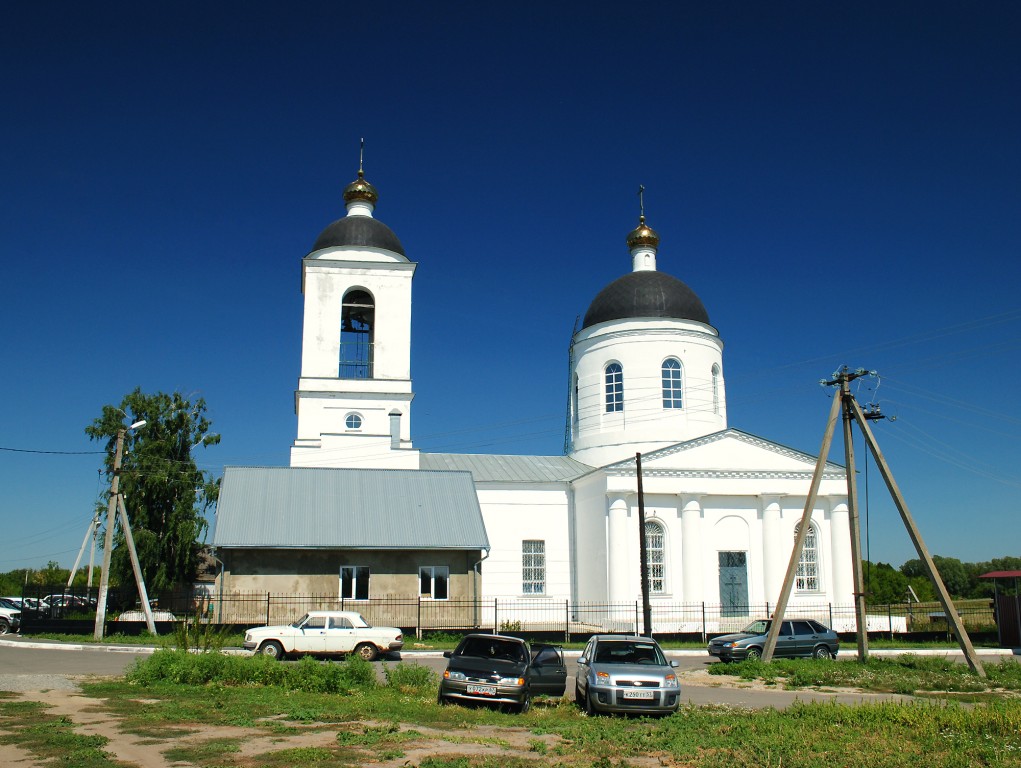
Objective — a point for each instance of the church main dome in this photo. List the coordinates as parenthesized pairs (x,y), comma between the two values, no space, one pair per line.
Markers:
(645,294)
(359,230)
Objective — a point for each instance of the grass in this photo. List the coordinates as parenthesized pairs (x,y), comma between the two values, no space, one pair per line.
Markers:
(905,674)
(363,721)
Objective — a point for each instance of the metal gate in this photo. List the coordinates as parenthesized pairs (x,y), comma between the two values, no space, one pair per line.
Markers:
(733,584)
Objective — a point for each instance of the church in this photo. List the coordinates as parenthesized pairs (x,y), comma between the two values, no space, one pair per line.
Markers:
(361,514)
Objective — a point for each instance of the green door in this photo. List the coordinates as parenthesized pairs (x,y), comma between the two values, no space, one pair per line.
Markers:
(733,584)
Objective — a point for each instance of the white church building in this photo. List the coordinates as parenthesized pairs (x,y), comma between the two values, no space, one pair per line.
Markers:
(362,514)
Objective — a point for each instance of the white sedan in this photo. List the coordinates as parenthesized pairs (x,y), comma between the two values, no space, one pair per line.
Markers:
(325,633)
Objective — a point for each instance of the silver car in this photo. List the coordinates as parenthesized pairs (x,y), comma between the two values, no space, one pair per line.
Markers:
(626,674)
(798,637)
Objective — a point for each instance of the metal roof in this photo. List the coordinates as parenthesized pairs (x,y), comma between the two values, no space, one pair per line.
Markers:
(318,508)
(508,468)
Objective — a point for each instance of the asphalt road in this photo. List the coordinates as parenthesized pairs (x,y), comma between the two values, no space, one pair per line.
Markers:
(23,668)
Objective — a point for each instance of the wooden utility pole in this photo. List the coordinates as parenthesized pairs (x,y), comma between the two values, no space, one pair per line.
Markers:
(860,611)
(643,552)
(853,411)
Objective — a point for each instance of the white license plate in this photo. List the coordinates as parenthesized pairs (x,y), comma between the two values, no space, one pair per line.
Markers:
(638,694)
(482,690)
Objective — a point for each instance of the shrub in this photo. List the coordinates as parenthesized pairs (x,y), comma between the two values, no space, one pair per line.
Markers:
(409,677)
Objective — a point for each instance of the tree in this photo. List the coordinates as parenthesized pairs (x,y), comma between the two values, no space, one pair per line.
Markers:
(884,584)
(166,495)
(951,570)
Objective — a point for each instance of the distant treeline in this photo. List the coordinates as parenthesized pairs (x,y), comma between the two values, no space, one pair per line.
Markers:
(886,584)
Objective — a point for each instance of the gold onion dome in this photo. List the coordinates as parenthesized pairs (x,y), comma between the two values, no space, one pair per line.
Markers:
(642,235)
(360,189)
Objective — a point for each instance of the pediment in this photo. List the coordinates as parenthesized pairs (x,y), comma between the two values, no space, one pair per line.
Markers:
(728,452)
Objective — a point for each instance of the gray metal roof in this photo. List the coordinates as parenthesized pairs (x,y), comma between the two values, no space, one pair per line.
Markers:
(508,468)
(317,508)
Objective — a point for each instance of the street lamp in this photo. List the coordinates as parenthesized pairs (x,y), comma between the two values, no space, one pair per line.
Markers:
(104,578)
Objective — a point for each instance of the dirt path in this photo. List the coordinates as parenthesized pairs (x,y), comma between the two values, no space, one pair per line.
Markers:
(90,718)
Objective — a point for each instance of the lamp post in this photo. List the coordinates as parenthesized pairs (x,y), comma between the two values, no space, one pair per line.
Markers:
(104,578)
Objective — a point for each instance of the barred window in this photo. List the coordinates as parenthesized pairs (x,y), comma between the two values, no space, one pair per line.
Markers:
(671,383)
(655,557)
(614,388)
(533,567)
(807,579)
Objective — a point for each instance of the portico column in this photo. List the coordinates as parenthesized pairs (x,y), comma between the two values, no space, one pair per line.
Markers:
(617,560)
(774,562)
(691,549)
(841,567)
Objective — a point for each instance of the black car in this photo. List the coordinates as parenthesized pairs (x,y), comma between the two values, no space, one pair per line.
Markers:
(798,637)
(497,669)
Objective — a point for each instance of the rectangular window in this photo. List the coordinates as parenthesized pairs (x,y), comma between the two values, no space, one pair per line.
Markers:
(433,581)
(533,567)
(354,582)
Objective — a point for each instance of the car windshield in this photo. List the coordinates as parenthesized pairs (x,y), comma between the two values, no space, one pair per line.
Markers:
(492,648)
(300,621)
(759,627)
(359,621)
(629,652)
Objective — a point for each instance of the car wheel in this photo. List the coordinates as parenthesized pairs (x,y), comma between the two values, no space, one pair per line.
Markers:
(441,699)
(590,707)
(526,703)
(754,653)
(822,652)
(366,651)
(273,649)
(577,695)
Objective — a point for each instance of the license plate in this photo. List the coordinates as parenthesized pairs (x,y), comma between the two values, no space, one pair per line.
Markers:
(482,690)
(638,694)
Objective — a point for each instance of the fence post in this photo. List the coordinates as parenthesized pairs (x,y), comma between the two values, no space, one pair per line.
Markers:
(889,618)
(496,623)
(831,615)
(704,632)
(267,608)
(767,610)
(418,620)
(567,621)
(636,617)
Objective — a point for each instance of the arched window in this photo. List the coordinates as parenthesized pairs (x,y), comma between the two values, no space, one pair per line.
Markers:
(357,324)
(671,383)
(807,579)
(716,389)
(656,556)
(614,388)
(353,421)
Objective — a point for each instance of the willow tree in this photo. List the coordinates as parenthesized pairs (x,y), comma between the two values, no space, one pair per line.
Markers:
(165,493)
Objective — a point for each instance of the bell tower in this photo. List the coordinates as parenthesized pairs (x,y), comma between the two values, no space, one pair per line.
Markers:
(354,394)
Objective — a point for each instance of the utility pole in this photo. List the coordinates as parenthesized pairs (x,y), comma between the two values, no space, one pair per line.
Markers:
(643,552)
(852,410)
(844,379)
(104,577)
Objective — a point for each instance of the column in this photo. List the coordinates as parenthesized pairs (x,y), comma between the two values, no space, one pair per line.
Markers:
(617,549)
(775,556)
(841,567)
(691,550)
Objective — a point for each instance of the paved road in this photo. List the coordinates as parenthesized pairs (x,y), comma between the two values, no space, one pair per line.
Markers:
(25,668)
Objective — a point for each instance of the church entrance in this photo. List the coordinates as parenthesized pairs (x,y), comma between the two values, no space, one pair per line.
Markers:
(733,583)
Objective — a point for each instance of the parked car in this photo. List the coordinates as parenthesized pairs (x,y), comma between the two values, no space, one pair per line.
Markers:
(10,617)
(798,637)
(498,669)
(325,633)
(28,606)
(617,673)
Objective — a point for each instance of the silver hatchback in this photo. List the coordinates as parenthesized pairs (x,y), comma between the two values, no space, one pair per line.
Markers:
(626,674)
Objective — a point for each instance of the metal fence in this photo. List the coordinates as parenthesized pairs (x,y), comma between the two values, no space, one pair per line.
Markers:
(530,615)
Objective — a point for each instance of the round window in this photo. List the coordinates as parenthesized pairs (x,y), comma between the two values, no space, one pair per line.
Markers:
(353,421)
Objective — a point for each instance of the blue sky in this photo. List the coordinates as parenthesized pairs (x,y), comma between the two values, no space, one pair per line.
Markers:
(838,182)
